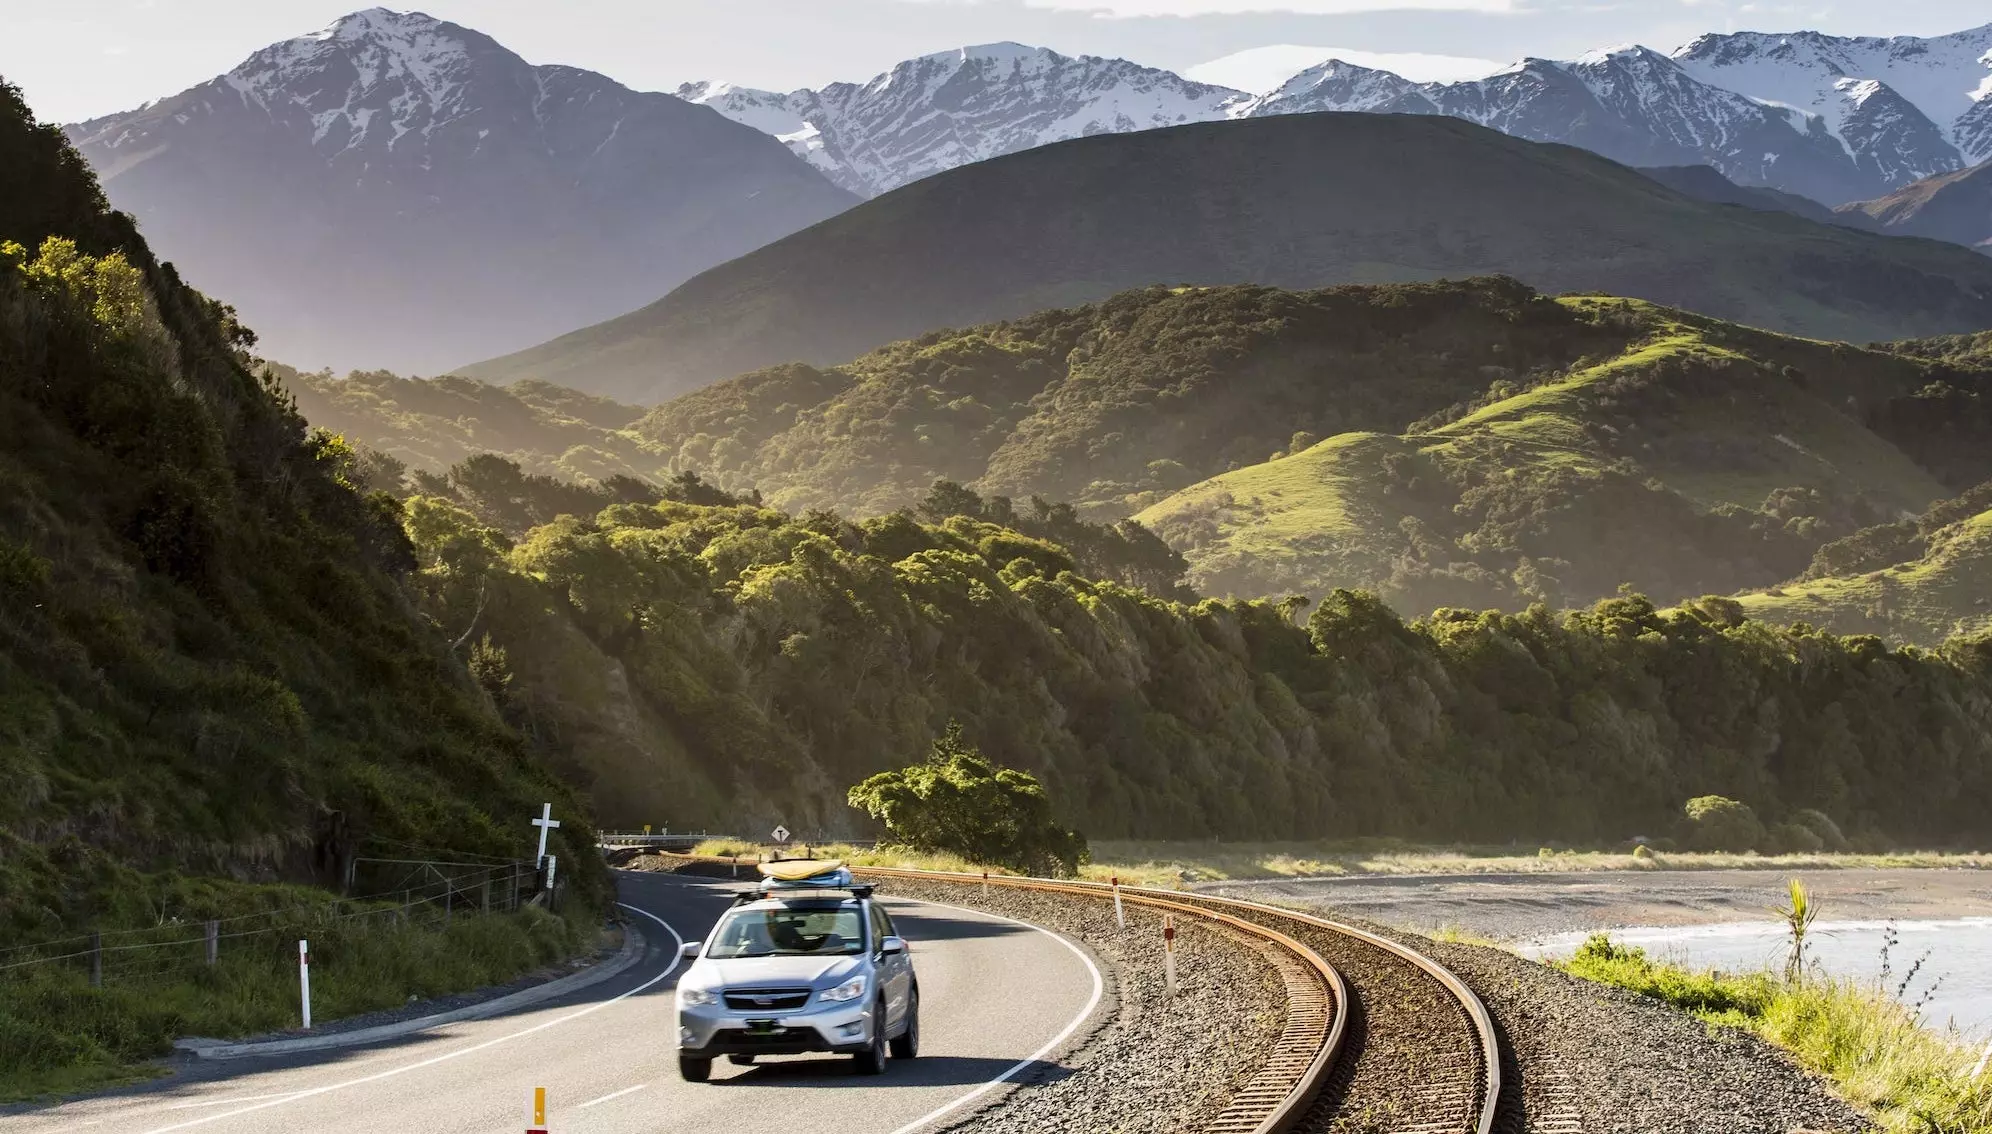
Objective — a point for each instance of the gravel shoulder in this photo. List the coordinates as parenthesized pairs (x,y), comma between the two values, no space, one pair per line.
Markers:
(1585,1058)
(1151,1063)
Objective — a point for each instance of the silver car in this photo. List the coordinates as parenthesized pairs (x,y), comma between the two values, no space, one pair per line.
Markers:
(787,972)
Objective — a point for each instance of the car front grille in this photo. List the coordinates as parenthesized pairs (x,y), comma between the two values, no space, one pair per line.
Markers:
(766,999)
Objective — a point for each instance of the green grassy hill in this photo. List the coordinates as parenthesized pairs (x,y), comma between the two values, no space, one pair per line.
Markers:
(1113,404)
(1701,457)
(1947,591)
(1298,201)
(1920,580)
(214,688)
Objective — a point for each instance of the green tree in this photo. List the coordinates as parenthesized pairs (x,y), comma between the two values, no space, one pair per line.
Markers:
(1716,823)
(959,802)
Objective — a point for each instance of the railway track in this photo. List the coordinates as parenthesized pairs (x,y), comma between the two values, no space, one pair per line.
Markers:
(1379,1039)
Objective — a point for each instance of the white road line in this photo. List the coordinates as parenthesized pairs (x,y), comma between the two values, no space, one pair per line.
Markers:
(612,1095)
(449,1055)
(1091,1003)
(229,1102)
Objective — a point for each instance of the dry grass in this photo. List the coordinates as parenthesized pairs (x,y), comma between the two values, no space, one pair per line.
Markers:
(1179,864)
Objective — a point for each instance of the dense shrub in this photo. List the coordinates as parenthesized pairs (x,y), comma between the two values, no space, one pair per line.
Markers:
(1718,824)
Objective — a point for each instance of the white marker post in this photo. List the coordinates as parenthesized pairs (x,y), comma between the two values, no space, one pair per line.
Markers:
(985,883)
(546,822)
(1120,915)
(304,979)
(1169,951)
(1983,1060)
(539,1112)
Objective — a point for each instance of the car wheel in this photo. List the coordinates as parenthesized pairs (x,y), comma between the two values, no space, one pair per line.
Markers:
(907,1044)
(743,1059)
(871,1061)
(694,1069)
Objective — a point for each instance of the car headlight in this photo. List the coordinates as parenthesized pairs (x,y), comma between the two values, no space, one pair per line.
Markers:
(696,997)
(849,990)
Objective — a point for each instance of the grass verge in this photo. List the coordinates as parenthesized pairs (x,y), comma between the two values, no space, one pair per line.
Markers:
(59,1036)
(1868,1044)
(1175,864)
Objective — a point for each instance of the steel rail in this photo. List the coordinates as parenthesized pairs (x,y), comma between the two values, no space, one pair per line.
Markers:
(1275,1099)
(1469,1002)
(1470,1005)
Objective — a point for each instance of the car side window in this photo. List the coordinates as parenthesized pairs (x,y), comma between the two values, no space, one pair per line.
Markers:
(881,928)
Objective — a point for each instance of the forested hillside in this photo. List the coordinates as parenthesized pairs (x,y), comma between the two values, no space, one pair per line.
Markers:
(209,661)
(1701,457)
(431,424)
(1298,201)
(1469,443)
(730,663)
(1918,580)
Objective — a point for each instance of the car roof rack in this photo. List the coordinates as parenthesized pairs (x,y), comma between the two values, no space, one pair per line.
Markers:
(761,891)
(803,877)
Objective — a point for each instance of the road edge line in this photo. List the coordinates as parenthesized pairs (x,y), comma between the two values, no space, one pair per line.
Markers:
(632,952)
(445,1057)
(1092,1005)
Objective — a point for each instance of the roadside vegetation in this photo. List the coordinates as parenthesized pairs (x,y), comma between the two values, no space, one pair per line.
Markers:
(1865,1036)
(59,1035)
(215,690)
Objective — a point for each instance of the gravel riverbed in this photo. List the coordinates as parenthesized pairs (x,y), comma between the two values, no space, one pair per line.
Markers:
(1150,1064)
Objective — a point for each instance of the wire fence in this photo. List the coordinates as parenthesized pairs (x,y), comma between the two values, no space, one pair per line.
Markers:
(399,891)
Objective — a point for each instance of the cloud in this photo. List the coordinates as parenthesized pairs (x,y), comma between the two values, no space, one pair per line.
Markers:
(1264,68)
(1130,9)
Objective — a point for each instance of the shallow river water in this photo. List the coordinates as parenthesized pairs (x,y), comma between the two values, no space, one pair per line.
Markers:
(1954,982)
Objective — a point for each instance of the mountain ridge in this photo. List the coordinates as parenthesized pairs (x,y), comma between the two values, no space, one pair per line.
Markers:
(1833,118)
(1290,201)
(406,190)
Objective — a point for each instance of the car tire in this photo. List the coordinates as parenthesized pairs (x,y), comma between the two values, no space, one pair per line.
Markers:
(906,1045)
(871,1061)
(742,1059)
(694,1069)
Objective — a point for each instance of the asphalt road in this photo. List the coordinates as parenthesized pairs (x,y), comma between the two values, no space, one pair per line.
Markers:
(996,996)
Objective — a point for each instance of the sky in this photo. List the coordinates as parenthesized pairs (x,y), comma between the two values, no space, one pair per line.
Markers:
(77,59)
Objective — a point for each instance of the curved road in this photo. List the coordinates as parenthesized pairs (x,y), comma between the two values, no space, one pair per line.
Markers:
(995,996)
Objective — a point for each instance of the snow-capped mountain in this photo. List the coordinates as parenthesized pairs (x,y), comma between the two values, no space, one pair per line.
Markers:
(1861,87)
(955,107)
(1831,118)
(397,190)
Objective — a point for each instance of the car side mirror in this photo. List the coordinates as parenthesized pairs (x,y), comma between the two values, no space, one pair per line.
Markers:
(690,950)
(892,946)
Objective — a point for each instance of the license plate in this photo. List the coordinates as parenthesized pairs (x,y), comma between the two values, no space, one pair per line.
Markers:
(764,1027)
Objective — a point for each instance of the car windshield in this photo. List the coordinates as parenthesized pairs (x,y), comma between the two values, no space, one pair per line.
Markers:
(789,932)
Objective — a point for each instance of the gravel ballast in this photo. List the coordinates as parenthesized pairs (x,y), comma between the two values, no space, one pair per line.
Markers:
(1149,1063)
(1582,1056)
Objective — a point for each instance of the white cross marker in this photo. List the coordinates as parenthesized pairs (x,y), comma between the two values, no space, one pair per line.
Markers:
(546,822)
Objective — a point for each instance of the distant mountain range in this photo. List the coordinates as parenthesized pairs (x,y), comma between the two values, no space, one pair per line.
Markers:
(1832,118)
(1291,201)
(400,190)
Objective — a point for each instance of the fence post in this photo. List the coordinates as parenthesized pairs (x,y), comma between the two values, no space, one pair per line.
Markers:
(96,960)
(304,980)
(486,903)
(213,941)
